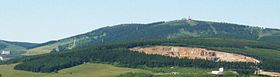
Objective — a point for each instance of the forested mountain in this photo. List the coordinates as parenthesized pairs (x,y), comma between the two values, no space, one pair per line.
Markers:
(171,29)
(15,47)
(23,44)
(119,54)
(111,45)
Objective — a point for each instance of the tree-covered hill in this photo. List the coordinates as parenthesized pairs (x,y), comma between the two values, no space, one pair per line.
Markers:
(118,54)
(161,30)
(15,47)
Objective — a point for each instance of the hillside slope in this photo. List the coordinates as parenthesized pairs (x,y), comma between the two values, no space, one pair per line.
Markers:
(170,29)
(15,47)
(85,70)
(120,55)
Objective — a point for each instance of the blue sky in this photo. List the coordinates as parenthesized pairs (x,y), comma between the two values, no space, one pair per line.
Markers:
(44,20)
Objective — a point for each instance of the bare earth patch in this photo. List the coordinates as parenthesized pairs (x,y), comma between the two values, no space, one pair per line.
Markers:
(194,53)
(273,74)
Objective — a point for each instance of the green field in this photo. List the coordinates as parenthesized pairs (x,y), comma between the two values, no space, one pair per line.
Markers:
(105,70)
(84,70)
(183,72)
(40,50)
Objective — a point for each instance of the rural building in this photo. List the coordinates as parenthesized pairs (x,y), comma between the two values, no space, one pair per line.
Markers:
(1,58)
(7,57)
(221,70)
(5,52)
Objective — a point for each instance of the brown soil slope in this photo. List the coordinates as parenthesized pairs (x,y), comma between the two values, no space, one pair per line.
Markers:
(272,74)
(195,53)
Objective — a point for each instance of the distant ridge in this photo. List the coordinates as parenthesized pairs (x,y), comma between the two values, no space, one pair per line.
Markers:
(15,47)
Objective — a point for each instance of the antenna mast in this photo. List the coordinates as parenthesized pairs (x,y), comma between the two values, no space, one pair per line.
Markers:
(189,18)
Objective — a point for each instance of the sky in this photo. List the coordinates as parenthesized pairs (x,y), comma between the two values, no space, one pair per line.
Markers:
(40,21)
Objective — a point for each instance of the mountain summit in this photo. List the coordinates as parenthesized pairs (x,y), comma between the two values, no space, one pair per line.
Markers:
(184,28)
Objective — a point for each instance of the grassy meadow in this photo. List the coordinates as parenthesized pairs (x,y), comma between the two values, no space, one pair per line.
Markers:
(85,70)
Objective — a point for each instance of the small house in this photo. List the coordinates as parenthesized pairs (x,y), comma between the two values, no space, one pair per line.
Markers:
(7,57)
(221,70)
(1,58)
(6,52)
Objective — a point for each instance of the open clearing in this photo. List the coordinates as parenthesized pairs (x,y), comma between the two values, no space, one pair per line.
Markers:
(40,50)
(85,70)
